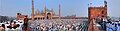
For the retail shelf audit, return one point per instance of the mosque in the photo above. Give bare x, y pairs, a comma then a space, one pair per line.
93, 12
44, 14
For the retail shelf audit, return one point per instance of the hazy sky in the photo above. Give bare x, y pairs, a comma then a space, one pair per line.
68, 7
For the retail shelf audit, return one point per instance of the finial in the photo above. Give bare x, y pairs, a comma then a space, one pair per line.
45, 7
18, 11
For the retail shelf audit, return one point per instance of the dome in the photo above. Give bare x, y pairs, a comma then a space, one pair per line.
37, 11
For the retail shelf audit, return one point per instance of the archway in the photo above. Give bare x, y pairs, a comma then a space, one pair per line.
48, 15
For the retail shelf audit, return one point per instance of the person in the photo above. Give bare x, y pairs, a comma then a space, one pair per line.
10, 26
14, 25
25, 24
3, 27
32, 28
104, 23
18, 28
109, 26
115, 27
118, 27
101, 22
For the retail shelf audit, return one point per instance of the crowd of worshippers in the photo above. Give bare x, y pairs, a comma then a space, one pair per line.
110, 24
11, 25
15, 25
45, 25
59, 26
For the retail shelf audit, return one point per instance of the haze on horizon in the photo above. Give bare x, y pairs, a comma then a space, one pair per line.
68, 7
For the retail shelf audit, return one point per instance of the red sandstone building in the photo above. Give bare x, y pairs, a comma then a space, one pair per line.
100, 12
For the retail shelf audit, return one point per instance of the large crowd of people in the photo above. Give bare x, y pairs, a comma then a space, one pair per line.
46, 25
109, 24
11, 25
59, 25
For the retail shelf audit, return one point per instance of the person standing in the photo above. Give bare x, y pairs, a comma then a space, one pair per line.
25, 24
118, 27
109, 26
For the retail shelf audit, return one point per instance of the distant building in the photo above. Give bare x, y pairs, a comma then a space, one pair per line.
69, 17
44, 14
100, 12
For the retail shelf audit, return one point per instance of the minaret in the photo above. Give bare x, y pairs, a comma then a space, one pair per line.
45, 12
59, 11
32, 10
105, 8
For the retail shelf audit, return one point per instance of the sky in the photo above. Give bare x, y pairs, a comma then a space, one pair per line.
68, 7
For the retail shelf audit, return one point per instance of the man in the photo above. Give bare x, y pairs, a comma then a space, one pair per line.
118, 27
25, 23
109, 26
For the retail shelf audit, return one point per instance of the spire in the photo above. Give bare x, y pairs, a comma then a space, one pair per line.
37, 12
45, 7
32, 10
52, 9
